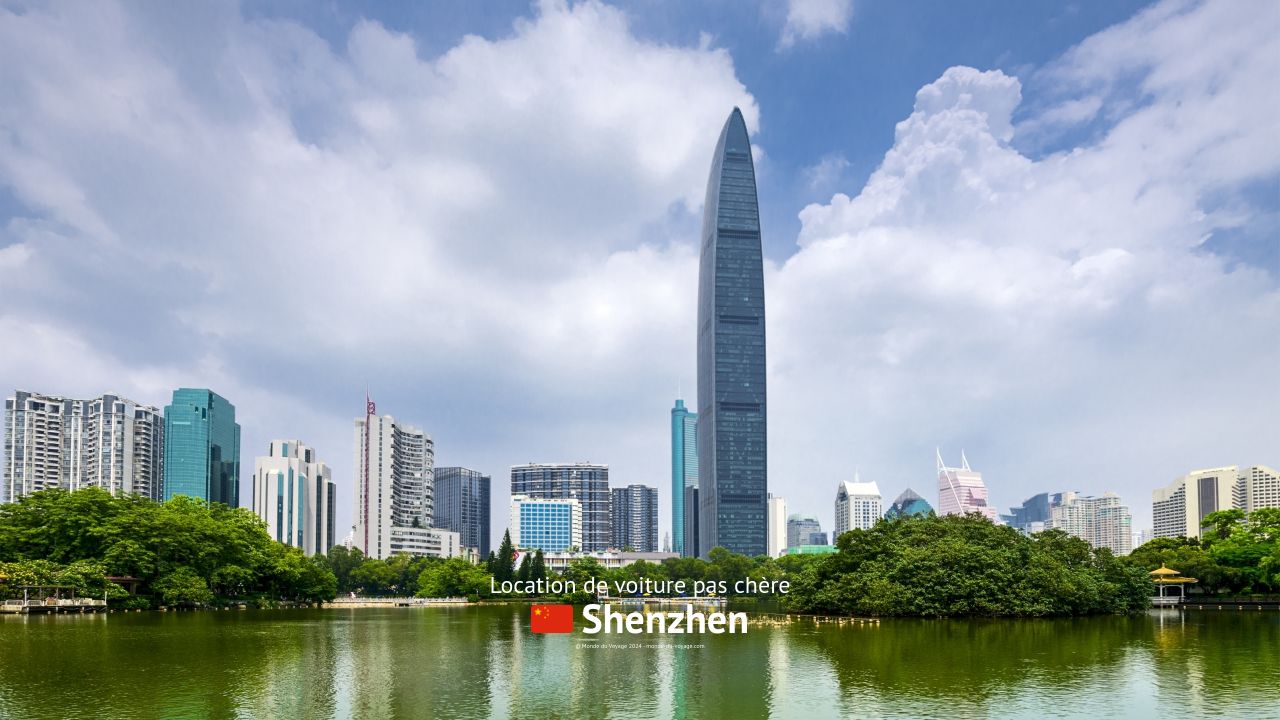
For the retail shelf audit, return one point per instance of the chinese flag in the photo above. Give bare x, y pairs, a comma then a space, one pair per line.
551, 619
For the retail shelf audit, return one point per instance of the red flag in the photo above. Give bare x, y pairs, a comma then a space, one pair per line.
551, 619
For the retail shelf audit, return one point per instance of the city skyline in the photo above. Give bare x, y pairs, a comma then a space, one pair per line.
1034, 292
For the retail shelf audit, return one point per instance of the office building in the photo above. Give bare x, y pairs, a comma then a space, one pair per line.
732, 408
550, 525
585, 482
961, 490
108, 442
1179, 509
294, 493
858, 506
393, 480
777, 525
1034, 515
802, 529
908, 503
684, 468
201, 447
633, 518
461, 504
691, 522
1102, 521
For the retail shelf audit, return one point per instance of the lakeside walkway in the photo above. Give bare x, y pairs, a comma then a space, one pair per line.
365, 602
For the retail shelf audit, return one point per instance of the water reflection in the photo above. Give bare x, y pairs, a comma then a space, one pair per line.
483, 662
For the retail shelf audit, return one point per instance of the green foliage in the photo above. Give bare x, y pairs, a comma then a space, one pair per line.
963, 566
181, 551
504, 565
1238, 553
454, 577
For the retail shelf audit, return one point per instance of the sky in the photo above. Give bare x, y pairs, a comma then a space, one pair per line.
1048, 236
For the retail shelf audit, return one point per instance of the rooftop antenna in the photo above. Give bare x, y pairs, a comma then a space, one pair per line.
964, 461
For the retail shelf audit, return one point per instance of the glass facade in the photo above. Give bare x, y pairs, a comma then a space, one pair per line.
584, 482
684, 471
546, 526
732, 453
201, 447
462, 505
908, 503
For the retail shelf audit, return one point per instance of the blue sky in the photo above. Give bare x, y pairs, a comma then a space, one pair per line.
1044, 234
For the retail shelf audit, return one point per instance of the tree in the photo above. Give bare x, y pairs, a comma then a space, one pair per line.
539, 571
183, 586
505, 564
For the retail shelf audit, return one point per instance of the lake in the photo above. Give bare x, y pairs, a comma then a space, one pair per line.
482, 662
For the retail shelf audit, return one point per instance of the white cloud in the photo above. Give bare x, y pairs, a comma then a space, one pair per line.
1058, 317
489, 237
811, 19
499, 239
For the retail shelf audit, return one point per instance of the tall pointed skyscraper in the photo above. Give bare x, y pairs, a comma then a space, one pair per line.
732, 452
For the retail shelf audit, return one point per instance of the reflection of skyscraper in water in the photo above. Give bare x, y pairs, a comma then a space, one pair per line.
961, 490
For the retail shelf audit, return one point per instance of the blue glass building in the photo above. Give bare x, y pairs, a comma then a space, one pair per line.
684, 473
908, 503
201, 447
461, 504
732, 453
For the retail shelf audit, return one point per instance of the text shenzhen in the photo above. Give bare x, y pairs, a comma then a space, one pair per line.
559, 619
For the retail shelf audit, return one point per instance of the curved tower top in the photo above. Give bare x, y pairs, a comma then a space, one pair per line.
732, 428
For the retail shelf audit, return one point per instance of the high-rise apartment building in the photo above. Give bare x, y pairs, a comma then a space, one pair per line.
858, 506
802, 529
1179, 509
461, 502
777, 525
393, 479
908, 503
108, 442
547, 524
961, 490
684, 469
732, 408
633, 518
585, 482
294, 493
1256, 487
1102, 521
201, 447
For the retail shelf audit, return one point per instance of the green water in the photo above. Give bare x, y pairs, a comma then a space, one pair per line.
483, 662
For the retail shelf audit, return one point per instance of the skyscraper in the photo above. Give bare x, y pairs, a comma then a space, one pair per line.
461, 502
294, 493
393, 480
908, 503
858, 505
1179, 509
1035, 514
684, 469
633, 518
777, 525
585, 482
108, 442
1102, 521
201, 447
961, 490
802, 530
1257, 486
732, 409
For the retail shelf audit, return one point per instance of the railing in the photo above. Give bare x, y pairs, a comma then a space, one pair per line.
1162, 601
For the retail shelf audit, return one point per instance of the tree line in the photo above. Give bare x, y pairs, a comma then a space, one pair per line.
186, 551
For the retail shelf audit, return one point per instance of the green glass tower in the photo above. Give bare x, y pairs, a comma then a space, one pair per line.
201, 447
